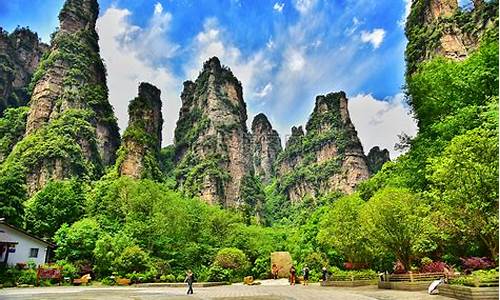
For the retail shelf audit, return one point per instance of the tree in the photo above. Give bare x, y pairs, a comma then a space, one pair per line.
340, 228
253, 198
395, 219
77, 242
59, 202
12, 193
465, 184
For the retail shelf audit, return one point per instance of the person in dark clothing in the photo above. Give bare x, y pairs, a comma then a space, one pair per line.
292, 275
324, 274
189, 280
305, 273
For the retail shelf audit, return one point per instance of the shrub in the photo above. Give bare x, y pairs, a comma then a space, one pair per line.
133, 259
260, 268
167, 278
478, 278
180, 277
219, 274
434, 267
425, 261
27, 277
315, 261
350, 274
231, 258
68, 269
477, 263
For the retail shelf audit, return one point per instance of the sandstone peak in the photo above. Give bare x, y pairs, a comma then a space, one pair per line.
260, 120
20, 53
212, 64
328, 157
211, 136
139, 154
377, 158
266, 145
78, 14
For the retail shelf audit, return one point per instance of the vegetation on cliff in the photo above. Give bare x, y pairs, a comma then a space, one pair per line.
437, 202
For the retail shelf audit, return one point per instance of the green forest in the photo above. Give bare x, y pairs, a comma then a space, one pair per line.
435, 206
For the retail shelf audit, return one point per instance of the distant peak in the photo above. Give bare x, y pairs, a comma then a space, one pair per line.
212, 64
261, 119
78, 14
146, 88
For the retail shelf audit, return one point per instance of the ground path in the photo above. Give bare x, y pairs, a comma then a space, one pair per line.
269, 290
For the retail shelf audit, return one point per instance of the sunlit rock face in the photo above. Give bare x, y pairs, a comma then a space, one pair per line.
20, 54
327, 157
266, 145
212, 143
139, 154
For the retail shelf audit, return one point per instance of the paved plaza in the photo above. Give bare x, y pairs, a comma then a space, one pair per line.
267, 291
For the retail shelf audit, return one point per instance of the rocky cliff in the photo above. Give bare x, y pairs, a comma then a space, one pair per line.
266, 145
139, 154
20, 54
211, 138
71, 129
377, 158
212, 143
328, 157
442, 28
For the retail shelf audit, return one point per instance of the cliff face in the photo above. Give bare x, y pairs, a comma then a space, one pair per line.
266, 145
441, 28
20, 54
328, 157
140, 150
377, 158
70, 128
211, 138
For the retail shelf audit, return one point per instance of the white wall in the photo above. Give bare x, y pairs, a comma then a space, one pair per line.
25, 243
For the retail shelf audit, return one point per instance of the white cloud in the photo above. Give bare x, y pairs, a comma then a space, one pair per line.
213, 42
270, 43
129, 52
158, 8
295, 60
278, 6
375, 37
265, 91
354, 27
304, 6
379, 122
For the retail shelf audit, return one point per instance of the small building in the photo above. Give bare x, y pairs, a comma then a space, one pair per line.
19, 246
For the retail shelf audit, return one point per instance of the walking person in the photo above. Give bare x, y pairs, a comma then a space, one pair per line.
324, 274
292, 275
189, 280
305, 273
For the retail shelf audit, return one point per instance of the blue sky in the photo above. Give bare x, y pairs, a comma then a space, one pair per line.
284, 52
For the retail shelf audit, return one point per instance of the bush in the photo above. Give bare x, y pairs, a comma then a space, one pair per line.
167, 278
477, 263
260, 268
434, 267
133, 260
180, 277
68, 269
140, 277
349, 274
231, 258
27, 277
478, 278
219, 274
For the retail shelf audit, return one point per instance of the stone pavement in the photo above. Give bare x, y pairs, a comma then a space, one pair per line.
267, 291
